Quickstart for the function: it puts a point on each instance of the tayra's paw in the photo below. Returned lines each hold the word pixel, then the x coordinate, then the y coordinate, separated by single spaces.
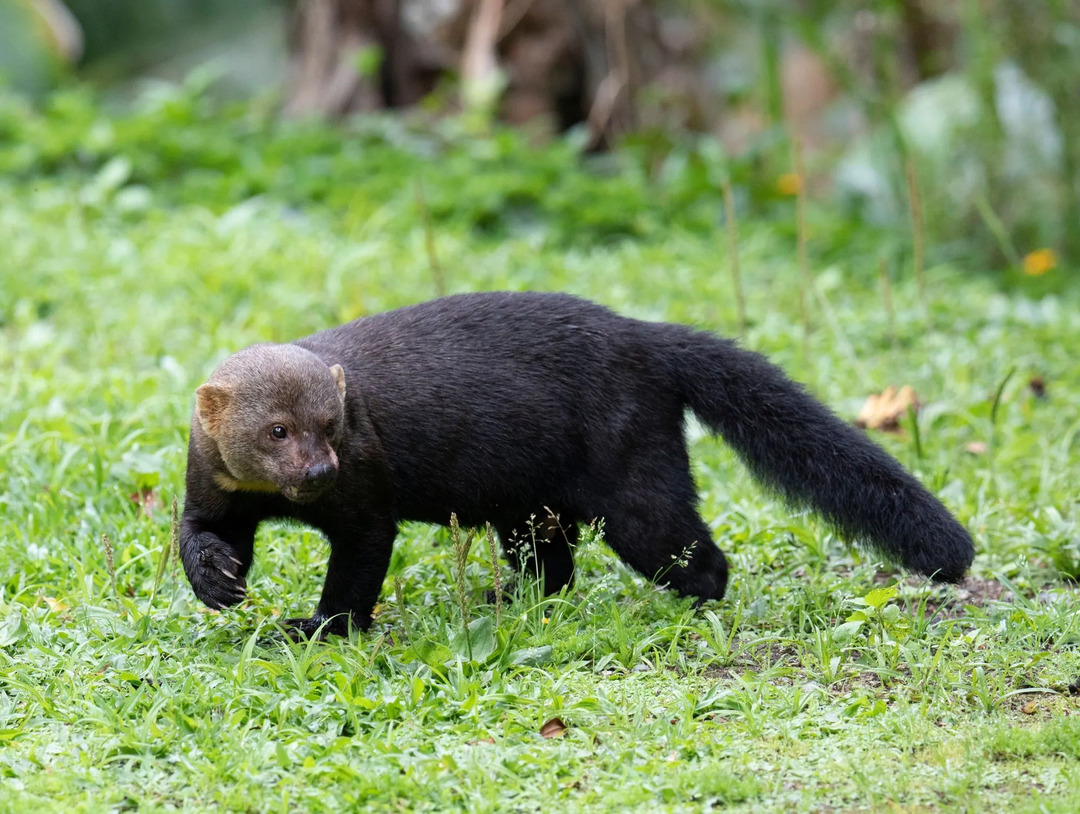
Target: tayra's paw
pixel 507 596
pixel 317 626
pixel 218 580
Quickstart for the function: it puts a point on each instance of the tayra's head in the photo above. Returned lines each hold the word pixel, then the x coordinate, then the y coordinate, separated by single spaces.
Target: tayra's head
pixel 275 415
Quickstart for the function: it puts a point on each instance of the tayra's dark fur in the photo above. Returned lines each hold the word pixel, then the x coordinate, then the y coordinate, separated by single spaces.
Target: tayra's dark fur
pixel 535 412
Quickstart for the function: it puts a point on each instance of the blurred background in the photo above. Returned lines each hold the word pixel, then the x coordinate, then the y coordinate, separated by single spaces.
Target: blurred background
pixel 960 115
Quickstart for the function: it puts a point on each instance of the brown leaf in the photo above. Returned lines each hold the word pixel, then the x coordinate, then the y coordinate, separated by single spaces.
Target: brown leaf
pixel 882 411
pixel 56 605
pixel 555 728
pixel 1030 708
pixel 149 501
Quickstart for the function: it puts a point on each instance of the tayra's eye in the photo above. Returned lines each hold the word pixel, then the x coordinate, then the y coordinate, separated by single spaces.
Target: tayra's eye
pixel 330 429
pixel 279 432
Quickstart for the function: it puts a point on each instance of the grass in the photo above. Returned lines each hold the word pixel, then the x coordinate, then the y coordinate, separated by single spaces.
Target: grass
pixel 824 680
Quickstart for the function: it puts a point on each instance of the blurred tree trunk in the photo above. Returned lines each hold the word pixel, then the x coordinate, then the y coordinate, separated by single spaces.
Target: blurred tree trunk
pixel 561 61
pixel 930 37
pixel 350 55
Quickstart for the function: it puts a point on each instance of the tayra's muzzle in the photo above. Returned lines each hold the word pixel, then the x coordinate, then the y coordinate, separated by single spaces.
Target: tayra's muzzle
pixel 317 479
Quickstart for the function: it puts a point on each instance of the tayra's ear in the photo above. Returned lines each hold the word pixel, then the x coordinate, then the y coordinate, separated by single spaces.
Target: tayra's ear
pixel 339 377
pixel 211 402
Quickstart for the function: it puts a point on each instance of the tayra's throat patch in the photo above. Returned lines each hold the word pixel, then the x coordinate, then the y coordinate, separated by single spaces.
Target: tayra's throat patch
pixel 231 484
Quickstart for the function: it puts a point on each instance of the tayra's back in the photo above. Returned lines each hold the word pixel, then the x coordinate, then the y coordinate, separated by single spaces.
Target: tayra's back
pixel 522 393
pixel 474 339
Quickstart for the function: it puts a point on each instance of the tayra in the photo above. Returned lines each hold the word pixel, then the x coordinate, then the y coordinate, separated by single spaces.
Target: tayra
pixel 534 412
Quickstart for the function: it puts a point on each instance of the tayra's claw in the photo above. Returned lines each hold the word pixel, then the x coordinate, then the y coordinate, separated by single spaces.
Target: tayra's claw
pixel 315 627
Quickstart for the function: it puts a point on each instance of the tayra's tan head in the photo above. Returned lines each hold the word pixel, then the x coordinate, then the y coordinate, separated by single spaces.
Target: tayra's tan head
pixel 274 415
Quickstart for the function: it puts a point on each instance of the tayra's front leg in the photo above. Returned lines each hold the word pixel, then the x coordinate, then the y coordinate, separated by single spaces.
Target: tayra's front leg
pixel 216 558
pixel 359 558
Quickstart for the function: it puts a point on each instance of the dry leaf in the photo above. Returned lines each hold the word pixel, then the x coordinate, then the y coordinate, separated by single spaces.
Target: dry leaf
pixel 149 501
pixel 1030 708
pixel 555 728
pixel 882 411
pixel 56 605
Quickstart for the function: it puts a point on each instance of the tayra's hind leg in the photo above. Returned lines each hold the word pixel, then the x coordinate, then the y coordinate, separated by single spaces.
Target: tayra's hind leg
pixel 671 548
pixel 651 522
pixel 541 547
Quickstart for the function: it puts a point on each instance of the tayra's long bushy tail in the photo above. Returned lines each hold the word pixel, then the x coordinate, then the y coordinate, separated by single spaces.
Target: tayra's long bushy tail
pixel 797 446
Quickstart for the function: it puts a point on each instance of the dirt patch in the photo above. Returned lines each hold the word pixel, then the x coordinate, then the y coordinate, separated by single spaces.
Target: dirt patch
pixel 757 659
pixel 1039 706
pixel 946 603
pixel 951 601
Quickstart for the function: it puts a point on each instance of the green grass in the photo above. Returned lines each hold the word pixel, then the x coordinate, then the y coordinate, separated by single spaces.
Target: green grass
pixel 134 258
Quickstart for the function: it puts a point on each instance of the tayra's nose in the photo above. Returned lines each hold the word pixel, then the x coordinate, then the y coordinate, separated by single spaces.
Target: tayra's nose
pixel 320 474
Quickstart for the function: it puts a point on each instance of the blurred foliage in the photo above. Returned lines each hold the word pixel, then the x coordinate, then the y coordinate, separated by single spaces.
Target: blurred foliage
pixel 1038 151
pixel 146 27
pixel 985 111
pixel 218 155
pixel 982 114
pixel 28 59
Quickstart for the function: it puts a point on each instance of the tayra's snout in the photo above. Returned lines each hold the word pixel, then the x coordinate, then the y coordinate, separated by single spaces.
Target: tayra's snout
pixel 319 476
pixel 316 479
